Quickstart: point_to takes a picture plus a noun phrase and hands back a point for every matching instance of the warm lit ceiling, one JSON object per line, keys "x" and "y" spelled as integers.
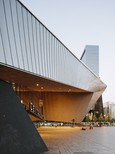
{"x": 33, "y": 82}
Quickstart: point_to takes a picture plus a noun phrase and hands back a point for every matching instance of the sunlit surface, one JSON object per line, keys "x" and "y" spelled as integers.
{"x": 68, "y": 140}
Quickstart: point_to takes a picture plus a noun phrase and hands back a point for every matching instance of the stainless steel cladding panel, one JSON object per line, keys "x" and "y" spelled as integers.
{"x": 25, "y": 43}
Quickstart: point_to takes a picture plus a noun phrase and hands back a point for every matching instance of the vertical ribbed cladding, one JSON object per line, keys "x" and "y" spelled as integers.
{"x": 26, "y": 44}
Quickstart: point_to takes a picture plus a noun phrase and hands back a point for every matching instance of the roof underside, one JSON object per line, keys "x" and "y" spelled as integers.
{"x": 33, "y": 82}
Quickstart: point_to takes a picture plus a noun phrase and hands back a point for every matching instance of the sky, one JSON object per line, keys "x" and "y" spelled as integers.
{"x": 77, "y": 23}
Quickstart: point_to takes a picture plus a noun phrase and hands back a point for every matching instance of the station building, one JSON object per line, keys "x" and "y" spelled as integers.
{"x": 49, "y": 81}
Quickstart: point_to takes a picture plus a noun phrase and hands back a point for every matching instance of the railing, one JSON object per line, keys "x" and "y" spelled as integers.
{"x": 32, "y": 110}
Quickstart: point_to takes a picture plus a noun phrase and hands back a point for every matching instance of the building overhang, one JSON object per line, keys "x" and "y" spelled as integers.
{"x": 32, "y": 82}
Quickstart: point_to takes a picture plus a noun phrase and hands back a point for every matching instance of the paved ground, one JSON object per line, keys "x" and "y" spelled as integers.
{"x": 68, "y": 140}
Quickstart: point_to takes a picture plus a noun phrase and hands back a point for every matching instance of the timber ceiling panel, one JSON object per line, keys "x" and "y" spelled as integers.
{"x": 32, "y": 82}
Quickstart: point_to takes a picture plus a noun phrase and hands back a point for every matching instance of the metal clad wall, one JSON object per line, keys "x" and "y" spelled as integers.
{"x": 27, "y": 44}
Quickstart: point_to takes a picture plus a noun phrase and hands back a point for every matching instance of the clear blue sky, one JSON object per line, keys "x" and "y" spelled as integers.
{"x": 83, "y": 22}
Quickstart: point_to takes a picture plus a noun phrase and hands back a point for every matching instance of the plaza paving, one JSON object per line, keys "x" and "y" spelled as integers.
{"x": 68, "y": 140}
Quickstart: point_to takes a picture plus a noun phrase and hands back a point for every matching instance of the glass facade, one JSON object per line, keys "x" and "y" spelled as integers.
{"x": 90, "y": 57}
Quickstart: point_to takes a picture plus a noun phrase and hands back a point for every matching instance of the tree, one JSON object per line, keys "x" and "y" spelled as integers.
{"x": 87, "y": 118}
{"x": 94, "y": 118}
{"x": 112, "y": 120}
{"x": 101, "y": 117}
{"x": 107, "y": 117}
